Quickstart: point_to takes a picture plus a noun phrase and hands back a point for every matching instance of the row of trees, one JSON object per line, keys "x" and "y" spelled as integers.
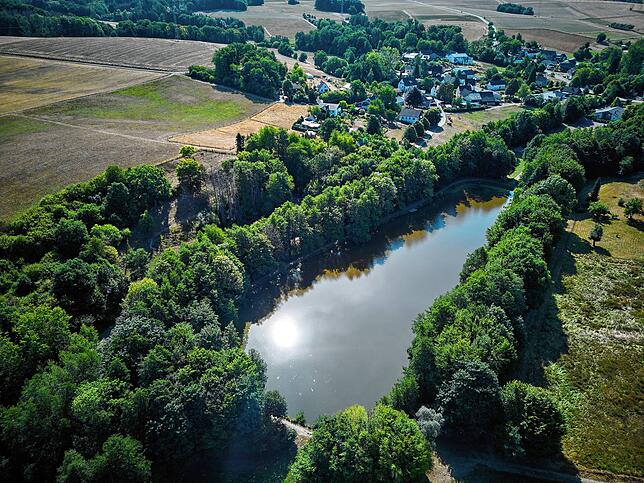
{"x": 36, "y": 23}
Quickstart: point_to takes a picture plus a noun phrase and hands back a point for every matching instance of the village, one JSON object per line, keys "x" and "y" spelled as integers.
{"x": 432, "y": 87}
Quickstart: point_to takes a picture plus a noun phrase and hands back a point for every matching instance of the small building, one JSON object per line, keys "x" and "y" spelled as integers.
{"x": 460, "y": 59}
{"x": 541, "y": 80}
{"x": 332, "y": 109}
{"x": 567, "y": 64}
{"x": 434, "y": 70}
{"x": 411, "y": 57}
{"x": 322, "y": 87}
{"x": 409, "y": 115}
{"x": 609, "y": 114}
{"x": 572, "y": 91}
{"x": 407, "y": 83}
{"x": 496, "y": 85}
{"x": 552, "y": 96}
{"x": 463, "y": 73}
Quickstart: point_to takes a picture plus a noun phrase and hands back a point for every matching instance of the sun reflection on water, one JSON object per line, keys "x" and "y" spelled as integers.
{"x": 284, "y": 333}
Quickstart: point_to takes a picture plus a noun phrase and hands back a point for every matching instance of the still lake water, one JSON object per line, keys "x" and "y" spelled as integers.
{"x": 334, "y": 331}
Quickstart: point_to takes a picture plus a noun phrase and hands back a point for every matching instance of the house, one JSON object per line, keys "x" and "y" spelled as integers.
{"x": 332, "y": 109}
{"x": 407, "y": 83}
{"x": 609, "y": 114}
{"x": 434, "y": 70}
{"x": 409, "y": 115}
{"x": 489, "y": 98}
{"x": 463, "y": 73}
{"x": 572, "y": 91}
{"x": 460, "y": 59}
{"x": 410, "y": 57}
{"x": 566, "y": 65}
{"x": 570, "y": 73}
{"x": 552, "y": 96}
{"x": 365, "y": 104}
{"x": 548, "y": 54}
{"x": 400, "y": 100}
{"x": 541, "y": 80}
{"x": 322, "y": 87}
{"x": 496, "y": 85}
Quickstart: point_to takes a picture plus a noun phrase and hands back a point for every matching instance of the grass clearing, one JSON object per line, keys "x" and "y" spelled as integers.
{"x": 471, "y": 121}
{"x": 595, "y": 320}
{"x": 601, "y": 312}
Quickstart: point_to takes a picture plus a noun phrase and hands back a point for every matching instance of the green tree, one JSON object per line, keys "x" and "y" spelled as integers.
{"x": 534, "y": 414}
{"x": 373, "y": 125}
{"x": 351, "y": 446}
{"x": 191, "y": 174}
{"x": 633, "y": 207}
{"x": 599, "y": 211}
{"x": 470, "y": 401}
{"x": 596, "y": 233}
{"x": 70, "y": 235}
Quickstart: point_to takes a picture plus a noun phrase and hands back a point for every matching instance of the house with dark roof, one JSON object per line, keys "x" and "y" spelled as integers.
{"x": 407, "y": 83}
{"x": 489, "y": 98}
{"x": 496, "y": 85}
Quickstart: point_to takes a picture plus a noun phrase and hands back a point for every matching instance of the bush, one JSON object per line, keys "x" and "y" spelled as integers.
{"x": 534, "y": 414}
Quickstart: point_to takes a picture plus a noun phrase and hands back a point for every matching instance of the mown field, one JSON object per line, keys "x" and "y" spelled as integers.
{"x": 44, "y": 149}
{"x": 471, "y": 121}
{"x": 598, "y": 308}
{"x": 27, "y": 83}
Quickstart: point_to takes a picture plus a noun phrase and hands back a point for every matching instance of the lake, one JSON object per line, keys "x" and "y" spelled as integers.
{"x": 334, "y": 331}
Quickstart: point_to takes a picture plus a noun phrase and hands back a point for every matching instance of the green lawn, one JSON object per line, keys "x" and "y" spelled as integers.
{"x": 595, "y": 319}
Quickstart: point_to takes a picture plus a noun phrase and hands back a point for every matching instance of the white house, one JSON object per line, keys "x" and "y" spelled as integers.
{"x": 407, "y": 83}
{"x": 460, "y": 59}
{"x": 609, "y": 114}
{"x": 409, "y": 115}
{"x": 332, "y": 109}
{"x": 496, "y": 85}
{"x": 323, "y": 87}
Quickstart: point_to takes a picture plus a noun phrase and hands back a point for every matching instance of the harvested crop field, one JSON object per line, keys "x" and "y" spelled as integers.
{"x": 157, "y": 54}
{"x": 160, "y": 55}
{"x": 74, "y": 140}
{"x": 559, "y": 25}
{"x": 278, "y": 17}
{"x": 223, "y": 139}
{"x": 27, "y": 83}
